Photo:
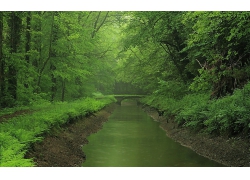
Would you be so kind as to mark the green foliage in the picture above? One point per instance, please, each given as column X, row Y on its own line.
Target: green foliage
column 170, row 106
column 218, row 44
column 18, row 133
column 230, row 115
column 11, row 152
column 98, row 95
column 141, row 60
column 60, row 56
column 170, row 53
column 66, row 56
column 193, row 111
column 12, row 110
column 171, row 89
column 202, row 82
column 227, row 116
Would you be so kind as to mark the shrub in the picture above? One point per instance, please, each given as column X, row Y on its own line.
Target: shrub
column 18, row 133
column 229, row 115
column 193, row 111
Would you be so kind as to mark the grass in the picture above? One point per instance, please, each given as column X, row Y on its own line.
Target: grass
column 18, row 133
column 227, row 116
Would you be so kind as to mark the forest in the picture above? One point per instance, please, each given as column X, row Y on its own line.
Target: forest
column 193, row 66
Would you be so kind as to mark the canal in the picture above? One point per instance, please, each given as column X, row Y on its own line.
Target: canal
column 131, row 138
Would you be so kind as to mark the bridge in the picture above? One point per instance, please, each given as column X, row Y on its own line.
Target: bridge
column 120, row 98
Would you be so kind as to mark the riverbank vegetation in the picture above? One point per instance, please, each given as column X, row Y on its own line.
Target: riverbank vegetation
column 227, row 116
column 54, row 66
column 20, row 132
column 194, row 65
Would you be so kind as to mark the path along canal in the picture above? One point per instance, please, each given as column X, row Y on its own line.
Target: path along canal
column 131, row 138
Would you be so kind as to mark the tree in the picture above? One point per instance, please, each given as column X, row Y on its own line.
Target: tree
column 14, row 23
column 1, row 60
column 218, row 42
column 152, row 50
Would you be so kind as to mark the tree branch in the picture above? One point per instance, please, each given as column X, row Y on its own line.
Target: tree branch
column 96, row 29
column 49, row 56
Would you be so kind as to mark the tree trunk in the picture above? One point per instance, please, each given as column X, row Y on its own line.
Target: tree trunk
column 63, row 89
column 53, row 80
column 50, row 52
column 171, row 54
column 1, row 61
column 15, row 23
column 37, row 39
column 27, row 45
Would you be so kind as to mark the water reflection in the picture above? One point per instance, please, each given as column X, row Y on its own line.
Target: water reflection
column 132, row 139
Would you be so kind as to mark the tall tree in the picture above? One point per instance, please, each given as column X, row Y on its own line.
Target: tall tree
column 15, row 23
column 28, row 36
column 152, row 50
column 218, row 42
column 1, row 60
column 49, row 54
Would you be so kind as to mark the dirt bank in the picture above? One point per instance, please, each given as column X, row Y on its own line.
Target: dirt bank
column 6, row 117
column 63, row 148
column 233, row 152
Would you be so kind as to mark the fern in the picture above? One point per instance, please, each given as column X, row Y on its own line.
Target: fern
column 20, row 132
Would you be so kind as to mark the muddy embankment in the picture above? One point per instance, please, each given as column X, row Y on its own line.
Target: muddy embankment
column 63, row 147
column 233, row 152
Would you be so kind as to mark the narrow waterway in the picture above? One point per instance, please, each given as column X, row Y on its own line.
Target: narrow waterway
column 132, row 139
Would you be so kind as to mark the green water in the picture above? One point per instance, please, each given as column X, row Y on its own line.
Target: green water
column 132, row 139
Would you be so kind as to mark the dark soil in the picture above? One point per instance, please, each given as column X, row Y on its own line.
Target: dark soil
column 17, row 113
column 64, row 148
column 233, row 152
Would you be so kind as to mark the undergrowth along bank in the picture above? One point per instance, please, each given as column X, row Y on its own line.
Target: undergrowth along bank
column 20, row 132
column 227, row 116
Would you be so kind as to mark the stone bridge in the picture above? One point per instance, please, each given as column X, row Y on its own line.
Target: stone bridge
column 120, row 98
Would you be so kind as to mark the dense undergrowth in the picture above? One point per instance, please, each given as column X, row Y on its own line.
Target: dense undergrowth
column 19, row 133
column 227, row 116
